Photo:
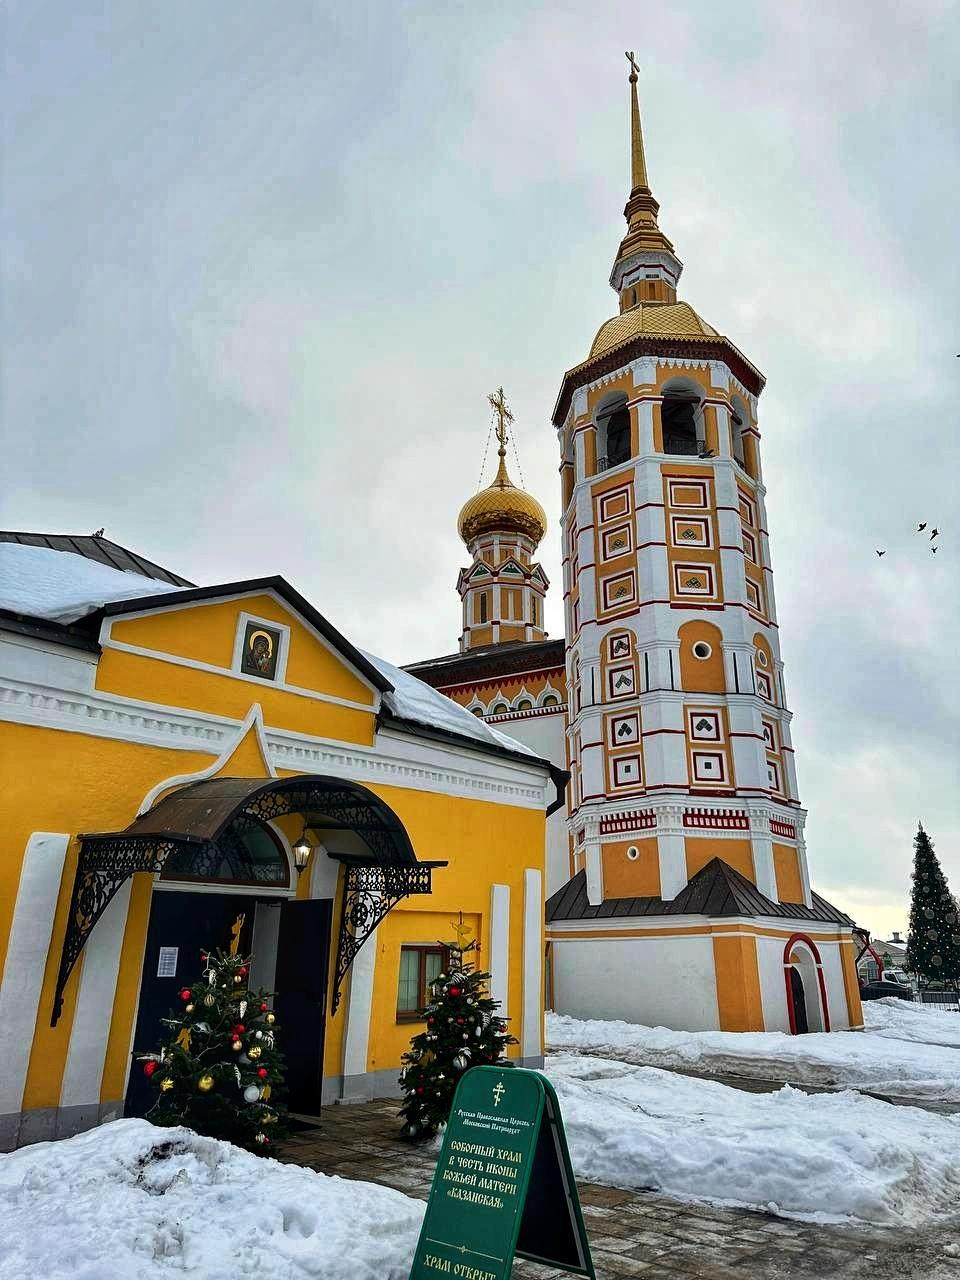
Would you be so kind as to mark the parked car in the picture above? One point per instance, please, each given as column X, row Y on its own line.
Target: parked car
column 877, row 990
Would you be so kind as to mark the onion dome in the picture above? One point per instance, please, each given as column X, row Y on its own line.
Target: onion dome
column 659, row 320
column 502, row 508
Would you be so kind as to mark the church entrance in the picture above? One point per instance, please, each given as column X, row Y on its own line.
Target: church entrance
column 799, row 1002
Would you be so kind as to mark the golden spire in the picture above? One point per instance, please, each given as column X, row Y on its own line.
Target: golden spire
column 646, row 268
column 638, row 164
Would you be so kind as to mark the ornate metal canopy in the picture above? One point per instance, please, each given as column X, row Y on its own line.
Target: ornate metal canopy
column 201, row 823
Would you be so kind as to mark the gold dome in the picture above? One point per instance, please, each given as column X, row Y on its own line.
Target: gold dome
column 660, row 320
column 502, row 508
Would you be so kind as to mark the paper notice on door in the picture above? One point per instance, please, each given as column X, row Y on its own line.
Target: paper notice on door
column 167, row 964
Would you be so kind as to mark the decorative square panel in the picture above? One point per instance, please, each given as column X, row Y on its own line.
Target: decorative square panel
column 709, row 767
column 690, row 531
column 693, row 579
column 618, row 590
column 616, row 542
column 749, row 546
column 748, row 513
column 624, row 730
column 770, row 735
column 704, row 725
column 688, row 493
column 621, row 682
column 773, row 776
column 765, row 686
column 754, row 596
column 619, row 646
column 627, row 771
column 615, row 502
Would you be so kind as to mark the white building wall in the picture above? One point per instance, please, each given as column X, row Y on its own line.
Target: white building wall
column 546, row 735
column 773, row 991
column 661, row 982
column 833, row 981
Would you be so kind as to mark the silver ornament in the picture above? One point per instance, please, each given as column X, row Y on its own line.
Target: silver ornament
column 251, row 1093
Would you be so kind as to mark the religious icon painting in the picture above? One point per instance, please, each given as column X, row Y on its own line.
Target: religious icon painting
column 261, row 650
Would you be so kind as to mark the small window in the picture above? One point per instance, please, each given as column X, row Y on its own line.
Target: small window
column 524, row 704
column 477, row 711
column 702, row 650
column 614, row 436
column 680, row 425
column 482, row 607
column 633, row 853
column 551, row 700
column 500, row 709
column 419, row 966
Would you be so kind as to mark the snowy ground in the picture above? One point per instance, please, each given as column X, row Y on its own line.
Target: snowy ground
column 906, row 1052
column 831, row 1157
column 128, row 1201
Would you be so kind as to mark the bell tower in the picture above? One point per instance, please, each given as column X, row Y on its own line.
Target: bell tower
column 504, row 587
column 679, row 739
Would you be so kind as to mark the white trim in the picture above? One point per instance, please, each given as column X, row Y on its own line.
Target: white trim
column 194, row 665
column 400, row 759
column 748, row 924
column 83, row 1072
column 252, row 720
column 31, row 933
column 530, row 1037
column 499, row 945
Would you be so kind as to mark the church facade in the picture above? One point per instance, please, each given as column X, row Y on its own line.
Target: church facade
column 186, row 765
column 680, row 894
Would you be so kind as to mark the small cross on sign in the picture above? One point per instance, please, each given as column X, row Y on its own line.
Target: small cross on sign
column 498, row 1092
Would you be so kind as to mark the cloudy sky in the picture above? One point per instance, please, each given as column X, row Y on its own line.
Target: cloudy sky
column 263, row 262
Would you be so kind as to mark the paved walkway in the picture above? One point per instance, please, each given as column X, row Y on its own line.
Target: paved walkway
column 642, row 1234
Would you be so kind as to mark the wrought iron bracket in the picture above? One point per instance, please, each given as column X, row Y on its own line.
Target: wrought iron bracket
column 102, row 869
column 369, row 892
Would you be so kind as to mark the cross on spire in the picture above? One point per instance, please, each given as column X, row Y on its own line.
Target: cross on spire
column 498, row 403
column 634, row 69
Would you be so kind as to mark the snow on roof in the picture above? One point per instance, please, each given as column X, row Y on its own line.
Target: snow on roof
column 61, row 586
column 413, row 700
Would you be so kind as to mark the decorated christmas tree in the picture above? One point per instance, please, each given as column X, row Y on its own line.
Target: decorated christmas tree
column 462, row 1031
column 933, row 943
column 219, row 1071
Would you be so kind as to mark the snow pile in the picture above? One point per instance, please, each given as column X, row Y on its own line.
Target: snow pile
column 61, row 586
column 129, row 1201
column 413, row 699
column 900, row 1020
column 828, row 1157
column 887, row 1065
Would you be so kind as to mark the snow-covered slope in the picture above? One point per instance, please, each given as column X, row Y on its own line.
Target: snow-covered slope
column 129, row 1201
column 62, row 587
column 882, row 1064
column 832, row 1157
column 896, row 1019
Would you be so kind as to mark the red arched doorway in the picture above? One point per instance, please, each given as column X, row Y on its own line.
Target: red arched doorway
column 807, row 1007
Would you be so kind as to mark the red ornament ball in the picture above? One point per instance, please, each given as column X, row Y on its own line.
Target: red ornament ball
column 185, row 993
column 239, row 1029
column 420, row 1089
column 149, row 1068
column 263, row 1073
column 454, row 991
column 243, row 970
column 264, row 1007
column 460, row 1020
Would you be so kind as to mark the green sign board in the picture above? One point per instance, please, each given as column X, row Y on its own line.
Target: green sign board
column 503, row 1186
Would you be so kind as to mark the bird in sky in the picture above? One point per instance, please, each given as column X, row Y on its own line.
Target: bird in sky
column 934, row 550
column 881, row 553
column 98, row 533
column 921, row 527
column 934, row 534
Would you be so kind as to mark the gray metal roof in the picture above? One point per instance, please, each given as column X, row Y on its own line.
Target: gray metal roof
column 103, row 550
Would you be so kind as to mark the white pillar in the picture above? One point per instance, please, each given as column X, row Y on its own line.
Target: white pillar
column 761, row 844
column 500, row 944
column 531, row 1043
column 83, row 1073
column 356, row 1036
column 30, row 936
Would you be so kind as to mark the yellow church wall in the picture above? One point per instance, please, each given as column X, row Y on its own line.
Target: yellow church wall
column 701, row 849
column 153, row 680
column 207, row 633
column 739, row 1001
column 701, row 675
column 786, row 867
column 851, row 983
column 624, row 877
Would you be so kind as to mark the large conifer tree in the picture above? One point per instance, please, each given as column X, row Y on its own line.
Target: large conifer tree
column 933, row 943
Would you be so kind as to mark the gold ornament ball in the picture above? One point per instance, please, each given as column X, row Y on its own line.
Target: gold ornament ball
column 237, row 1045
column 260, row 1137
column 205, row 1084
column 271, row 1019
column 237, row 979
column 209, row 1000
column 189, row 1008
column 254, row 1052
column 165, row 1084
